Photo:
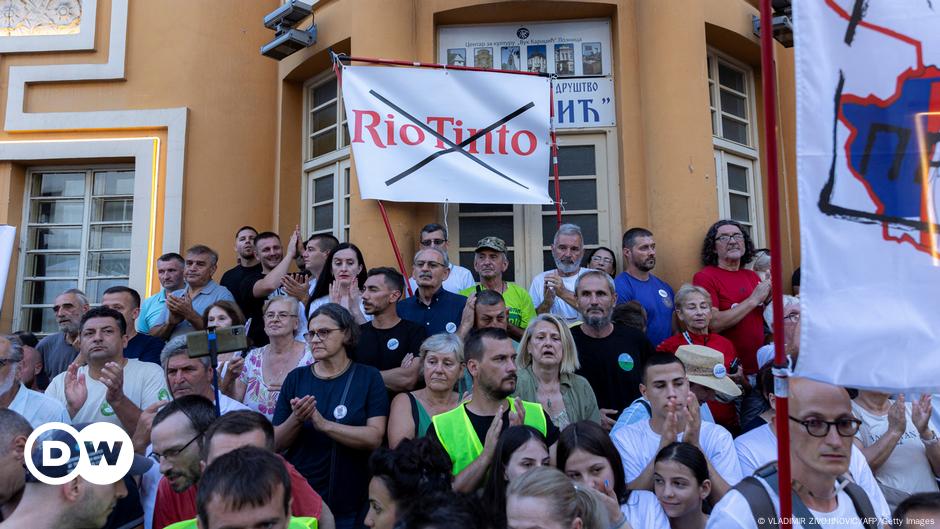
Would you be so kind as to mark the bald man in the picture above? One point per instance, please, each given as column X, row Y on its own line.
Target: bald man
column 821, row 431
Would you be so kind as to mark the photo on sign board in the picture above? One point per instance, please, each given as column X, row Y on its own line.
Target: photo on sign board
column 457, row 56
column 591, row 58
column 536, row 60
column 483, row 57
column 564, row 59
column 510, row 58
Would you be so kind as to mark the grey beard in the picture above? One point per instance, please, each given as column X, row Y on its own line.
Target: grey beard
column 69, row 328
column 7, row 384
column 597, row 322
column 566, row 268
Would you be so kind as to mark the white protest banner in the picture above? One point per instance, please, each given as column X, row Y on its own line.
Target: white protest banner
column 7, row 238
column 425, row 135
column 868, row 126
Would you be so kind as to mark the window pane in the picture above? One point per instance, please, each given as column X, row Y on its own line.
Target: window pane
column 485, row 208
column 740, row 210
column 714, row 124
column 55, row 238
column 94, row 288
column 587, row 223
column 575, row 194
column 324, row 92
column 323, row 189
column 323, row 118
column 737, row 178
column 114, row 183
column 44, row 292
column 109, row 264
column 323, row 144
column 39, row 320
column 730, row 77
column 734, row 130
column 733, row 104
column 575, row 160
column 56, row 212
column 103, row 237
column 113, row 210
column 472, row 229
column 59, row 185
column 51, row 265
column 466, row 261
column 323, row 217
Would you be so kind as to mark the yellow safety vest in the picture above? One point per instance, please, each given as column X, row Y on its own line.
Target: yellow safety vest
column 300, row 522
column 458, row 437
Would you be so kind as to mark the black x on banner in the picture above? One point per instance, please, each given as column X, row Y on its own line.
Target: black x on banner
column 453, row 146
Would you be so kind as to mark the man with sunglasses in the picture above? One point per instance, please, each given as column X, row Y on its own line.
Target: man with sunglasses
column 822, row 428
column 177, row 437
column 459, row 278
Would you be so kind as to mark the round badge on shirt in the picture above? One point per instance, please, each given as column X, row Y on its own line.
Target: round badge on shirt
column 625, row 361
column 339, row 412
column 451, row 327
column 665, row 295
column 392, row 344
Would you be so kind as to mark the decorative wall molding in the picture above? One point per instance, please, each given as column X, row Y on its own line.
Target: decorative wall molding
column 82, row 39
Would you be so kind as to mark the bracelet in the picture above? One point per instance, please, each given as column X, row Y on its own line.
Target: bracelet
column 623, row 520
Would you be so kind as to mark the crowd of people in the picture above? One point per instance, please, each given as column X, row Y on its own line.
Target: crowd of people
column 593, row 399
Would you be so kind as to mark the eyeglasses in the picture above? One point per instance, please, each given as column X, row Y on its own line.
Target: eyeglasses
column 846, row 427
column 278, row 315
column 601, row 259
column 726, row 238
column 322, row 334
column 173, row 452
column 793, row 317
column 433, row 265
column 433, row 242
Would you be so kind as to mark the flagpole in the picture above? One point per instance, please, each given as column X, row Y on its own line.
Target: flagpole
column 780, row 371
column 554, row 139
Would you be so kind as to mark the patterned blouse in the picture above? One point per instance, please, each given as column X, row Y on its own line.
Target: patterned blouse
column 258, row 395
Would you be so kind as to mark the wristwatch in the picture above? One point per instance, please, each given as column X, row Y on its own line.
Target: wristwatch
column 932, row 440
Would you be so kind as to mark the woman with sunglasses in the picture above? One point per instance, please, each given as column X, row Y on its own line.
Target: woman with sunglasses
column 331, row 415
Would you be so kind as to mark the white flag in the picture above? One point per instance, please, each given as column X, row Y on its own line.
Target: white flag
column 423, row 135
column 868, row 128
column 7, row 239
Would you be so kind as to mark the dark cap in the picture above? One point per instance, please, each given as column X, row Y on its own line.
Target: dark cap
column 492, row 243
column 139, row 466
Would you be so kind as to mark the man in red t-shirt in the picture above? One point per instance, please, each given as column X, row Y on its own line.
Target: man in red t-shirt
column 738, row 295
column 235, row 430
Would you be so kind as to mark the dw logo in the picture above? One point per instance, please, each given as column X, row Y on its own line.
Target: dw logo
column 101, row 453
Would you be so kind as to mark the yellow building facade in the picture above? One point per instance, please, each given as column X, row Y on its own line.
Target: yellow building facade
column 132, row 128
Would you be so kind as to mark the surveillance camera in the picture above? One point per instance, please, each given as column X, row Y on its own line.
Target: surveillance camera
column 289, row 42
column 289, row 14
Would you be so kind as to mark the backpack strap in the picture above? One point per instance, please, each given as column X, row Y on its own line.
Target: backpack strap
column 863, row 506
column 760, row 502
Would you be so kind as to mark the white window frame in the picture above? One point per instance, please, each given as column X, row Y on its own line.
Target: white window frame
column 527, row 220
column 86, row 226
column 726, row 150
column 336, row 162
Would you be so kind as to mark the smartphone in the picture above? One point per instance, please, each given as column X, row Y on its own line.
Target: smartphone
column 734, row 365
column 227, row 339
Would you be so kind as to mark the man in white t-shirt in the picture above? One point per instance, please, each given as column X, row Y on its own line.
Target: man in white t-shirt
column 553, row 290
column 821, row 433
column 758, row 447
column 109, row 388
column 435, row 236
column 675, row 417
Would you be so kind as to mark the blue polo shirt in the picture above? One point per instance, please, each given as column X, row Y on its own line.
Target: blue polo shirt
column 209, row 294
column 442, row 315
column 655, row 296
column 151, row 312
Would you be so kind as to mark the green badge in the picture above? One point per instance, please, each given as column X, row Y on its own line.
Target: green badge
column 163, row 394
column 106, row 409
column 625, row 361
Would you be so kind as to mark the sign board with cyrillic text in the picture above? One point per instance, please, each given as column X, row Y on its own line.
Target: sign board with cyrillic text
column 578, row 52
column 426, row 135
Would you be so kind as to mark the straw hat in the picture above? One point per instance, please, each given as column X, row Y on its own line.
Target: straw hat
column 705, row 366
